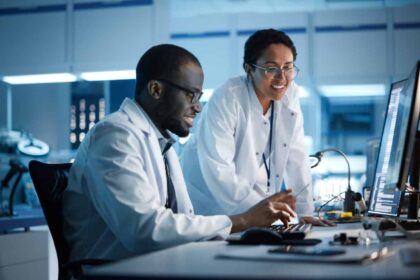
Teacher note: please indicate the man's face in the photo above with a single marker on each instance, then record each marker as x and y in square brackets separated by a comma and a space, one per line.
[178, 111]
[272, 87]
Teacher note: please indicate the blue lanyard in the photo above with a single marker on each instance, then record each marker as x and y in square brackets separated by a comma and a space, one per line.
[268, 166]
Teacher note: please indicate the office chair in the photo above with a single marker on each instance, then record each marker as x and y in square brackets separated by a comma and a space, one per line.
[50, 181]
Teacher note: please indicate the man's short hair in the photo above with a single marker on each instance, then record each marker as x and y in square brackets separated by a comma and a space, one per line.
[261, 40]
[161, 61]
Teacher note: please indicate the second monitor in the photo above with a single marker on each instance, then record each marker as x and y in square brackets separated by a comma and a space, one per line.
[396, 152]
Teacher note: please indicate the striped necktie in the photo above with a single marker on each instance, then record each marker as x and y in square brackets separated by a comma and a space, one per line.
[171, 198]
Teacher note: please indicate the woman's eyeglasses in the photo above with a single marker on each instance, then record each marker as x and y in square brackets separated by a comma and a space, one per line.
[290, 72]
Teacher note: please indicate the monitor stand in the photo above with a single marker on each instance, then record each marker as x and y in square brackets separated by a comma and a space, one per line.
[414, 201]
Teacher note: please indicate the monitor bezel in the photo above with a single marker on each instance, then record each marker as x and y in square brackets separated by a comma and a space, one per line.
[412, 128]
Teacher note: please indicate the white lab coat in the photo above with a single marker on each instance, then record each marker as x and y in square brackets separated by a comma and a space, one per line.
[114, 203]
[221, 161]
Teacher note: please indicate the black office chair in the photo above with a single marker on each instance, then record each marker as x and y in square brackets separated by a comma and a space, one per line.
[50, 181]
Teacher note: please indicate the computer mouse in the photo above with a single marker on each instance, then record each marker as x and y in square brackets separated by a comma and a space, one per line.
[261, 236]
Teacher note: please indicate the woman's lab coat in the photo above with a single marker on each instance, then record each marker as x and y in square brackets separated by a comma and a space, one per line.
[114, 206]
[221, 161]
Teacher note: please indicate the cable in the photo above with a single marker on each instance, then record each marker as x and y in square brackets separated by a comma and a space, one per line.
[349, 202]
[16, 167]
[323, 205]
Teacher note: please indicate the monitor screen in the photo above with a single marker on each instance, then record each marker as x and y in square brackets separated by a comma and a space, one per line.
[396, 147]
[383, 199]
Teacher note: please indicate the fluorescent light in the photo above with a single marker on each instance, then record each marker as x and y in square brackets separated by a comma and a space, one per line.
[40, 79]
[352, 90]
[109, 75]
[207, 93]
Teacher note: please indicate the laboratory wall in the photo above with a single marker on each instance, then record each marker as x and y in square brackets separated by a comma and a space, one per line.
[60, 36]
[3, 105]
[375, 46]
[335, 47]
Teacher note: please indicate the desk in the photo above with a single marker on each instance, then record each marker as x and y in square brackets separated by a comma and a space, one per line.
[26, 217]
[197, 261]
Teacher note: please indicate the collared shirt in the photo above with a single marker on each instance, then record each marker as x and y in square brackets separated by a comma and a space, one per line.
[114, 206]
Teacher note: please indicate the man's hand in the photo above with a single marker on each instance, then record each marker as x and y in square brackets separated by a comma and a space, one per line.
[263, 214]
[316, 221]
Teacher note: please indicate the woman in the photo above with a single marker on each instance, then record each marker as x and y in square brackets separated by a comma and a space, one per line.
[250, 140]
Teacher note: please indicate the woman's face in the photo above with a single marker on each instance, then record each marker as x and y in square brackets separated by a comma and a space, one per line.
[271, 84]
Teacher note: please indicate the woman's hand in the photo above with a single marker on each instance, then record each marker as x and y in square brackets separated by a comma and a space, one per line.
[263, 214]
[316, 221]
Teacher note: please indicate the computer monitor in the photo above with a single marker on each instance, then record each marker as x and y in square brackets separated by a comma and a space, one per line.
[410, 153]
[384, 200]
[398, 139]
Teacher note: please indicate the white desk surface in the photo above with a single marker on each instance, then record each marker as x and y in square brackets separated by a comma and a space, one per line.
[198, 261]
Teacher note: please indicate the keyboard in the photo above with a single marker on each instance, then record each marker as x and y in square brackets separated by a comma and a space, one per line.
[410, 224]
[389, 224]
[293, 231]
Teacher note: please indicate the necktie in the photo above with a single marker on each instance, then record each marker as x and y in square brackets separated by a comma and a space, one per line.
[171, 199]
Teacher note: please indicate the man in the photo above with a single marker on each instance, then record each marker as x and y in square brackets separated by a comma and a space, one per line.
[250, 140]
[126, 193]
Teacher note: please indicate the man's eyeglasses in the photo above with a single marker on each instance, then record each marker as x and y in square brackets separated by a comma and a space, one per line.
[290, 72]
[193, 96]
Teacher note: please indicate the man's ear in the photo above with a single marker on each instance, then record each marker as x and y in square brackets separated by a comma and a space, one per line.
[154, 89]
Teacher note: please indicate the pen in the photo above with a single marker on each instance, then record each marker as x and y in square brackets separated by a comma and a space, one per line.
[302, 189]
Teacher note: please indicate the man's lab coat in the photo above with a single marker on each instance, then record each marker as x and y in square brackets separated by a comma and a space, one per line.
[114, 206]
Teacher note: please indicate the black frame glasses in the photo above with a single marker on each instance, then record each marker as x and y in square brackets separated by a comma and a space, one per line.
[270, 72]
[194, 96]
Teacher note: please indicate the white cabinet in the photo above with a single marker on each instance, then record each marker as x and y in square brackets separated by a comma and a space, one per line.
[407, 39]
[24, 255]
[111, 38]
[350, 46]
[33, 39]
[79, 35]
